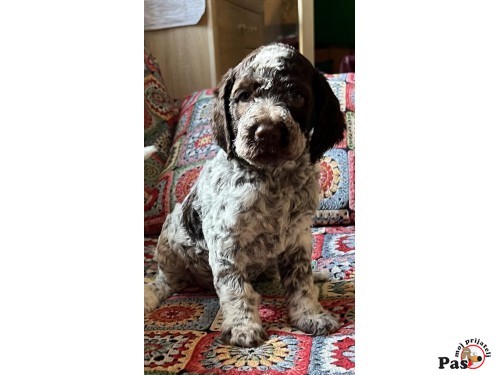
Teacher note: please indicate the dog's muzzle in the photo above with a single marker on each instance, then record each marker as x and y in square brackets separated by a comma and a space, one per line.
[271, 143]
[271, 137]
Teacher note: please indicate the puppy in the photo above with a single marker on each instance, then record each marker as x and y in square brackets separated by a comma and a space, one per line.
[251, 209]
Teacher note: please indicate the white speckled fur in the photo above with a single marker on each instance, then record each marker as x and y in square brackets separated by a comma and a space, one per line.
[271, 57]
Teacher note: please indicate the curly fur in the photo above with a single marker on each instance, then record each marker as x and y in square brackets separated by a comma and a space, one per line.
[251, 208]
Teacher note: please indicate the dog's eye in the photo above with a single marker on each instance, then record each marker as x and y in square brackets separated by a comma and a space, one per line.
[243, 96]
[296, 99]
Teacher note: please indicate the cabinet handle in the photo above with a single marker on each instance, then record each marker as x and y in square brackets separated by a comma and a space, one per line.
[254, 29]
[242, 27]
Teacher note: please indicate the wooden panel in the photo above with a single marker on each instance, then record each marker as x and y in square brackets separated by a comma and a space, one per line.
[183, 54]
[229, 55]
[256, 6]
[236, 30]
[281, 12]
[237, 23]
[306, 28]
[254, 33]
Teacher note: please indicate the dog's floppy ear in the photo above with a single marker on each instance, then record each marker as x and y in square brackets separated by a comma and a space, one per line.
[329, 123]
[465, 353]
[221, 119]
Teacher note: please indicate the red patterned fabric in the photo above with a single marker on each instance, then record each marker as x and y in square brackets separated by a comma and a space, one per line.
[181, 335]
[350, 155]
[192, 147]
[160, 117]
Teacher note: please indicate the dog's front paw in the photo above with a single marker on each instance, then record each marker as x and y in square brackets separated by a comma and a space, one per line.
[245, 335]
[321, 323]
[151, 300]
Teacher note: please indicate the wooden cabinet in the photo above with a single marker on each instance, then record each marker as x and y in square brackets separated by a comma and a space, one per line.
[195, 57]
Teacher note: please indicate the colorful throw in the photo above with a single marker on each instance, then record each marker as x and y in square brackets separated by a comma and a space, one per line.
[161, 113]
[182, 335]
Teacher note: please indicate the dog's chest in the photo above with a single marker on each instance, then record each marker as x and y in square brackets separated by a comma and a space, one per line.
[261, 217]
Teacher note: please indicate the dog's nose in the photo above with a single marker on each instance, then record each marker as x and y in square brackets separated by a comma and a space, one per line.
[271, 133]
[479, 358]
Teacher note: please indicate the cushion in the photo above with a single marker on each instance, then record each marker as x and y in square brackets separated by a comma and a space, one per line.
[193, 145]
[160, 117]
[336, 205]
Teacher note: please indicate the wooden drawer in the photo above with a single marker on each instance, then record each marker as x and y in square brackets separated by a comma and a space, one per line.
[242, 26]
[256, 6]
[237, 31]
[253, 30]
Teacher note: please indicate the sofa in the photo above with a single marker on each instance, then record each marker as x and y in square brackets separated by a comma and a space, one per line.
[181, 336]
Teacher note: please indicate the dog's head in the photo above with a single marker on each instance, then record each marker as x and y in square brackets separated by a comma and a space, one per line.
[466, 353]
[275, 106]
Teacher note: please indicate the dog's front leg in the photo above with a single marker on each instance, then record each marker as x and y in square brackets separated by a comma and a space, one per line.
[304, 310]
[240, 306]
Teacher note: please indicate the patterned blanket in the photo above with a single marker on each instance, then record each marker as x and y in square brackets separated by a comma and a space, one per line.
[181, 336]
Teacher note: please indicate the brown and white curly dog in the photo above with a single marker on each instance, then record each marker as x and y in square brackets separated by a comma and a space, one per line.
[252, 206]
